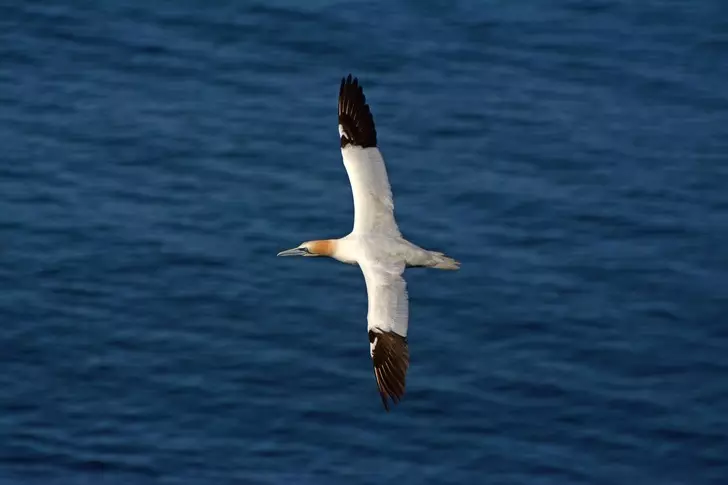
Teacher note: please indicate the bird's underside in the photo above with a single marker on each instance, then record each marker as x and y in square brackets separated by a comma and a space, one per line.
[387, 254]
[375, 244]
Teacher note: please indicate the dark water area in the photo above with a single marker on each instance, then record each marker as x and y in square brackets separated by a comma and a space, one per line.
[572, 155]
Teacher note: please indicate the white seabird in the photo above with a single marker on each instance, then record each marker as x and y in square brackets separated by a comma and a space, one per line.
[375, 244]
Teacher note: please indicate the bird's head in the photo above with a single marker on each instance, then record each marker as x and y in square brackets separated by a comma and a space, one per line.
[311, 248]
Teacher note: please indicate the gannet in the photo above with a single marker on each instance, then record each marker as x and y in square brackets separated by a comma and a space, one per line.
[375, 244]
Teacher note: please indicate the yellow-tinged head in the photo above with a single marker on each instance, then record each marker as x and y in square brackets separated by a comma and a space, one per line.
[312, 248]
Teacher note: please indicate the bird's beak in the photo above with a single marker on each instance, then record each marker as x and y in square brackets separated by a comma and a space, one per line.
[292, 252]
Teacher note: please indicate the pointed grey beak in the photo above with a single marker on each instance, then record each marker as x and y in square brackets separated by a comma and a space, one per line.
[293, 252]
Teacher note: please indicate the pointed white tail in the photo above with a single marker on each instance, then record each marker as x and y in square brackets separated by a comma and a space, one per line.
[440, 261]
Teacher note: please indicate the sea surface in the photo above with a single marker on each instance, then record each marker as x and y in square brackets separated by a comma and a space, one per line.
[154, 158]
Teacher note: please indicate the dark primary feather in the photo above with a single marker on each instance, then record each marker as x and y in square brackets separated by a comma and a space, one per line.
[391, 360]
[355, 116]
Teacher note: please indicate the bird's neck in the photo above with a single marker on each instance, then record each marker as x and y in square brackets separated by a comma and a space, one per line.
[344, 249]
[324, 247]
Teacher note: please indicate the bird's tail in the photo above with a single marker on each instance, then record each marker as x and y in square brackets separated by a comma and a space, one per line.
[440, 261]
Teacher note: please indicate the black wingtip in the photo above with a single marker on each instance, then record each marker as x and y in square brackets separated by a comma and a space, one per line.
[390, 356]
[355, 117]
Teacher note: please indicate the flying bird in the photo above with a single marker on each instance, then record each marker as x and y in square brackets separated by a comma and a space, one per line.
[375, 244]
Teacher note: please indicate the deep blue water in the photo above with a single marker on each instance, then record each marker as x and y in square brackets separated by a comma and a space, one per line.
[572, 155]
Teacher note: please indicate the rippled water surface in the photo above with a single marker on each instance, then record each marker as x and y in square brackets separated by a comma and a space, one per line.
[156, 156]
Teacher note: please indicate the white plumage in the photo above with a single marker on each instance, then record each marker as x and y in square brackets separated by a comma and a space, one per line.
[375, 244]
[373, 205]
[387, 293]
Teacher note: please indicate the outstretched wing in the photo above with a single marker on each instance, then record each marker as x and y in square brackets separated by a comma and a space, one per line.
[373, 204]
[387, 324]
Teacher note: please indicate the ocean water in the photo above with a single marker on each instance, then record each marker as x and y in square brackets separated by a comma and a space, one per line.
[573, 155]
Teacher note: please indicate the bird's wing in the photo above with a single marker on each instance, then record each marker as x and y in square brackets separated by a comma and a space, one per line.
[373, 204]
[387, 324]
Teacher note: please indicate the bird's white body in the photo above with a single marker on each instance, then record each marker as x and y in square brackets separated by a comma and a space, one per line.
[375, 244]
[381, 248]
